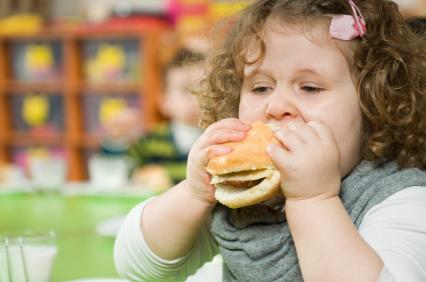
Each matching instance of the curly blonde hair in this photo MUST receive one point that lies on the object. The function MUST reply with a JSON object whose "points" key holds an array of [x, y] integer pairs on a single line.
{"points": [[388, 66]]}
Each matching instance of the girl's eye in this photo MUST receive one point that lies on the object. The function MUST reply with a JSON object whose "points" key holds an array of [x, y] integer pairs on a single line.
{"points": [[261, 89], [311, 89]]}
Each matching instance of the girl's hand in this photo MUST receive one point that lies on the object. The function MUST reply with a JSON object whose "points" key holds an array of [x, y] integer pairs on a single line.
{"points": [[210, 144], [309, 161]]}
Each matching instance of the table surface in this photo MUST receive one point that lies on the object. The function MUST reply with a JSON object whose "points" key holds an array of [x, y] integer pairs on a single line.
{"points": [[82, 252]]}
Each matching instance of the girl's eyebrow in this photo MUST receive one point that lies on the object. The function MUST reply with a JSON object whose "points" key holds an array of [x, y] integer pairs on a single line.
{"points": [[319, 73], [254, 76], [251, 73], [312, 72]]}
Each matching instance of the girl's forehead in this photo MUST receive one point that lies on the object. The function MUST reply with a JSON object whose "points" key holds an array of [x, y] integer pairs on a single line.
{"points": [[315, 31], [313, 28]]}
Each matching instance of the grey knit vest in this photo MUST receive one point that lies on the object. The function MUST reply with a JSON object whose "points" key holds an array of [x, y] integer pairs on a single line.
{"points": [[256, 244]]}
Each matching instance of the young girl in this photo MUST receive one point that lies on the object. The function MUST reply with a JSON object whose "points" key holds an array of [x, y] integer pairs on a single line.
{"points": [[345, 83]]}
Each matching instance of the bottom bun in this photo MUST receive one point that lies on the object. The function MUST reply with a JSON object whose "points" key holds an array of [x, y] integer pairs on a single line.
{"points": [[237, 197]]}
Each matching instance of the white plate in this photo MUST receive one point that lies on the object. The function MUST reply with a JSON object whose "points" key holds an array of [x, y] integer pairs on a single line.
{"points": [[110, 227]]}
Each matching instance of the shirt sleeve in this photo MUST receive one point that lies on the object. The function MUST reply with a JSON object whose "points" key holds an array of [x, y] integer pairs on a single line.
{"points": [[396, 230], [386, 276], [136, 262]]}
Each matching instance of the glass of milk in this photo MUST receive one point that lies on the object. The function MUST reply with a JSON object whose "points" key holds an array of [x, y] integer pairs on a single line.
{"points": [[27, 258]]}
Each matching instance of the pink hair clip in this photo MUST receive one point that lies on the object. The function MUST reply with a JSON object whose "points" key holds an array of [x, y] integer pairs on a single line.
{"points": [[347, 27]]}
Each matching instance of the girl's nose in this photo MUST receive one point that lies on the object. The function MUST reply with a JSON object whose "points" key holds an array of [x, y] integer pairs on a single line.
{"points": [[282, 106]]}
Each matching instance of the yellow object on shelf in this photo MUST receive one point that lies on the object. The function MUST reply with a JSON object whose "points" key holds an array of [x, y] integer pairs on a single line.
{"points": [[39, 58], [110, 108], [108, 63], [35, 110], [20, 24]]}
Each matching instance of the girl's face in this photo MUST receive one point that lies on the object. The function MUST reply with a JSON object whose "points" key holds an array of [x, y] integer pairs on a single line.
{"points": [[179, 104], [304, 79]]}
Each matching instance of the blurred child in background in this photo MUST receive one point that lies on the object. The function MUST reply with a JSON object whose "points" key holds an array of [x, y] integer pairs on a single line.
{"points": [[160, 156]]}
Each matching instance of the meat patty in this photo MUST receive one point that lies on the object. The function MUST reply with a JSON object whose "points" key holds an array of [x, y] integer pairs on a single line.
{"points": [[243, 184]]}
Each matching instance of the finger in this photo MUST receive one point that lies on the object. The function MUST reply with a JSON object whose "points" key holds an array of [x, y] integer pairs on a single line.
{"points": [[229, 123], [206, 178], [218, 150], [289, 138], [322, 130], [304, 131], [222, 136], [207, 153], [209, 139]]}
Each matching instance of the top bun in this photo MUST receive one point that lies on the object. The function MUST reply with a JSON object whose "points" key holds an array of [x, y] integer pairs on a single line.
{"points": [[247, 154]]}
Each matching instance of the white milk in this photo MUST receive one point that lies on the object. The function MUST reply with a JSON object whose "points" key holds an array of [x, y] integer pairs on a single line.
{"points": [[38, 259]]}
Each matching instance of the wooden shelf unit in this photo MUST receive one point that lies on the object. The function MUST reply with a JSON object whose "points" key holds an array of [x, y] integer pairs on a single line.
{"points": [[72, 87]]}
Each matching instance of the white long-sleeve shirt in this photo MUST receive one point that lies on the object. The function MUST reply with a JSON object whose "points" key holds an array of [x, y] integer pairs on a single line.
{"points": [[395, 229]]}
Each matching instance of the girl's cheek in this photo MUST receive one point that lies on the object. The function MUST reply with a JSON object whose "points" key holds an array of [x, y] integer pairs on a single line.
{"points": [[250, 108]]}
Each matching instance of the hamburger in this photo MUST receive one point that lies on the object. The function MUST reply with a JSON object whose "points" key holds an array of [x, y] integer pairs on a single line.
{"points": [[246, 176]]}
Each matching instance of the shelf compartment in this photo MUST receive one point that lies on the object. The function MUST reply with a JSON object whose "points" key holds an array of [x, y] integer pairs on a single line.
{"points": [[99, 107], [36, 60], [111, 60], [37, 114]]}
